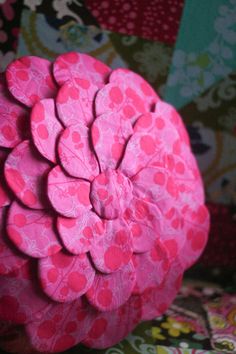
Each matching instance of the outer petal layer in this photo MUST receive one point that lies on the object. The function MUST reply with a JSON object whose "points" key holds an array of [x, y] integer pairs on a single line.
{"points": [[32, 231], [68, 196], [80, 68], [65, 277], [25, 173], [45, 128], [29, 79], [110, 291]]}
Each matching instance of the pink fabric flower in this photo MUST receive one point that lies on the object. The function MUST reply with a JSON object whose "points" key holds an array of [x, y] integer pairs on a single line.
{"points": [[102, 204]]}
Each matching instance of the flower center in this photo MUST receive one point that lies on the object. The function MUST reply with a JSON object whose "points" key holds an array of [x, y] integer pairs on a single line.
{"points": [[111, 193]]}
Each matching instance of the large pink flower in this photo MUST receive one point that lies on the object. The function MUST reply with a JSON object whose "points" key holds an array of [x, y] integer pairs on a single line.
{"points": [[102, 204]]}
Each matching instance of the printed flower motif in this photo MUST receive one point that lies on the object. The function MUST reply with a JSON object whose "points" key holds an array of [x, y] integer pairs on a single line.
{"points": [[102, 205], [217, 321], [157, 333], [175, 328]]}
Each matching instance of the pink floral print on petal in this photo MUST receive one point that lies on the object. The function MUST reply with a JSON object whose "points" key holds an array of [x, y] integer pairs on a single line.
{"points": [[45, 128], [79, 234], [29, 79], [68, 196], [117, 132], [25, 173], [105, 295], [13, 118], [65, 277], [75, 153], [77, 67], [32, 231], [74, 102]]}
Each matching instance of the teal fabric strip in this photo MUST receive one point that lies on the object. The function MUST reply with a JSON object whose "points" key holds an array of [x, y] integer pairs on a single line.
{"points": [[205, 50]]}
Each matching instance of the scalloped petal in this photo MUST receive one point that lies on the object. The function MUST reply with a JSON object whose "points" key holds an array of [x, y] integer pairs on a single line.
{"points": [[68, 196], [75, 153], [110, 128], [151, 267], [79, 68], [65, 277], [10, 258], [113, 250], [29, 79], [21, 300], [156, 300], [137, 82], [32, 231], [144, 221], [120, 99], [45, 128], [110, 291], [75, 102], [63, 326], [25, 172], [109, 328], [78, 234], [13, 118]]}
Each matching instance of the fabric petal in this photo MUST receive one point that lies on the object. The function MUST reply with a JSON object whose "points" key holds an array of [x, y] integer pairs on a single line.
{"points": [[25, 172], [75, 153], [110, 127], [113, 250], [10, 258], [63, 326], [78, 234], [45, 128], [13, 118], [120, 99], [80, 68], [110, 291], [32, 231], [156, 300], [151, 267], [109, 328], [21, 300], [65, 277], [29, 79], [136, 81], [75, 102], [144, 221], [68, 196]]}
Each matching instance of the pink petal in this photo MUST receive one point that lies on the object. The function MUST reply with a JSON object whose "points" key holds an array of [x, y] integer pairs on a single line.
{"points": [[109, 328], [156, 300], [68, 196], [75, 102], [136, 81], [111, 193], [110, 291], [115, 130], [32, 231], [150, 267], [65, 277], [10, 258], [197, 223], [75, 152], [25, 172], [78, 234], [113, 250], [45, 128], [29, 79], [63, 326], [21, 300], [13, 118], [80, 68], [144, 223], [120, 99], [169, 114]]}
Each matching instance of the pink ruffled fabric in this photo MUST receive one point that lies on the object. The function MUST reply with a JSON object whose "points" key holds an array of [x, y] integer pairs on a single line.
{"points": [[101, 203]]}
